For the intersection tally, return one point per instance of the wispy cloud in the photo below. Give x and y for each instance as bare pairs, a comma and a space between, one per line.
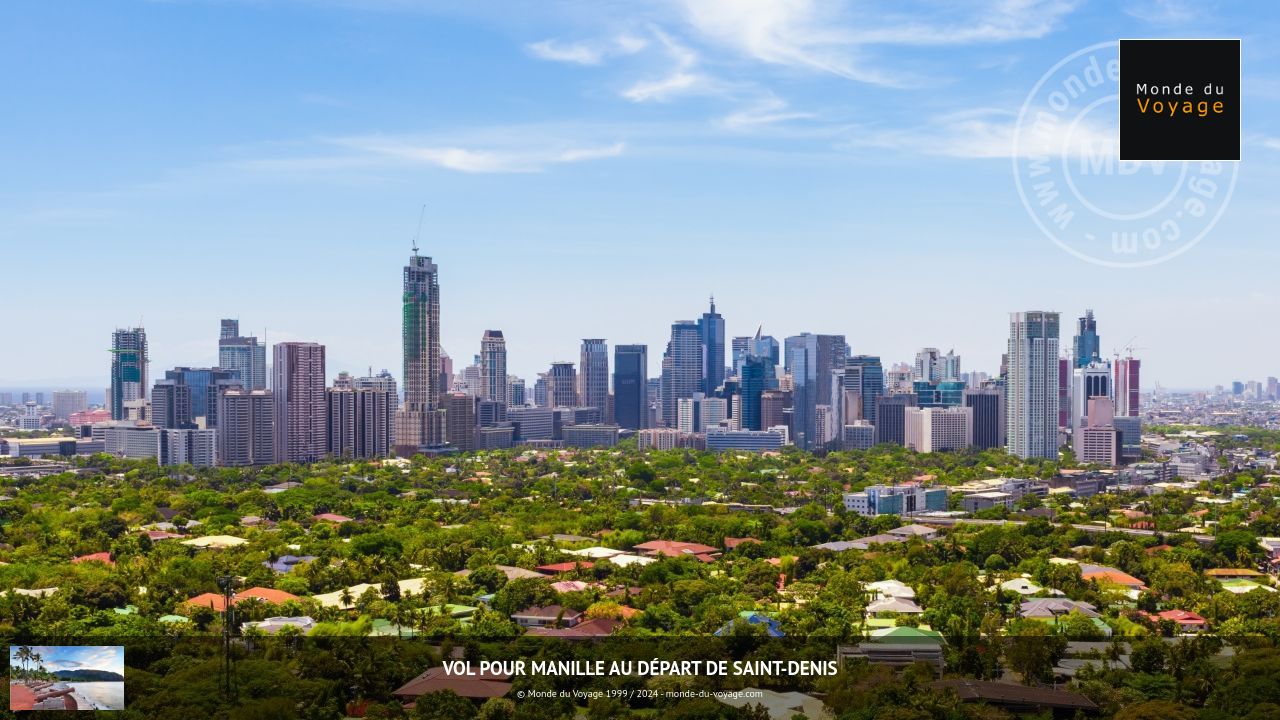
587, 52
681, 79
986, 133
768, 110
1164, 12
478, 160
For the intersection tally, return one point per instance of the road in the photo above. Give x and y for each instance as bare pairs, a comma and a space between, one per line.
949, 522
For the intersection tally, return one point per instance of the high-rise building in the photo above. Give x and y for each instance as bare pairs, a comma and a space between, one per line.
171, 405
988, 406
753, 382
1086, 347
1087, 382
516, 392
869, 377
630, 386
928, 368
340, 418
1065, 367
1032, 386
681, 368
938, 429
949, 366
417, 423
68, 402
1128, 386
891, 418
811, 359
493, 367
128, 369
243, 355
460, 421
593, 375
246, 427
1096, 440
774, 407
298, 379
711, 338
739, 348
202, 382
187, 446
562, 382
361, 415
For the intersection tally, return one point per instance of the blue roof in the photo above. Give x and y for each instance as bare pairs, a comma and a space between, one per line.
285, 563
772, 628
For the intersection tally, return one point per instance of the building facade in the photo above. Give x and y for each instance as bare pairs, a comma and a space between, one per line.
1032, 385
128, 369
298, 388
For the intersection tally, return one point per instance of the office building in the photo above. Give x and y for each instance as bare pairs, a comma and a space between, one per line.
1097, 440
681, 368
753, 381
927, 369
244, 356
1128, 386
131, 440
68, 402
1130, 437
460, 421
202, 382
340, 418
861, 435
865, 375
497, 437
516, 392
720, 439
775, 407
591, 435
810, 360
246, 427
562, 385
171, 405
1032, 385
891, 418
895, 500
1088, 382
711, 338
593, 375
988, 406
128, 369
1065, 368
532, 423
938, 429
298, 389
188, 446
630, 386
493, 368
1087, 346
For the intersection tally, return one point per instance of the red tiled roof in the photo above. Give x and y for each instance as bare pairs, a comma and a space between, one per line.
733, 542
480, 686
564, 567
600, 627
671, 548
1181, 617
331, 517
212, 600
1114, 577
102, 557
270, 595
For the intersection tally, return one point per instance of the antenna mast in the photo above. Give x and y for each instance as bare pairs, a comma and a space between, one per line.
418, 234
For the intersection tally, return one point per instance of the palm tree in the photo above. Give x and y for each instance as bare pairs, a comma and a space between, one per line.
23, 655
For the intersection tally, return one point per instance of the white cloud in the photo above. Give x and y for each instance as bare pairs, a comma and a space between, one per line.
829, 37
682, 79
988, 133
470, 160
767, 111
587, 53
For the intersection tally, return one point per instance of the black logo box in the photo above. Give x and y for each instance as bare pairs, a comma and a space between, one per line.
1186, 68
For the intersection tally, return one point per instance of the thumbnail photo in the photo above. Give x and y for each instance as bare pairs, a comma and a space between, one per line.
72, 677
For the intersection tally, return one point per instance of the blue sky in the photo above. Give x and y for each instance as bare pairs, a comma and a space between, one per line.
589, 170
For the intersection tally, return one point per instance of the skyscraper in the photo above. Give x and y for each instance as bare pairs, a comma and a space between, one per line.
1086, 347
871, 376
244, 356
128, 369
988, 406
171, 405
245, 434
493, 367
1032, 386
300, 409
928, 368
891, 418
711, 338
593, 374
1128, 386
68, 402
1088, 382
460, 421
417, 423
203, 383
562, 382
630, 386
753, 381
681, 368
811, 359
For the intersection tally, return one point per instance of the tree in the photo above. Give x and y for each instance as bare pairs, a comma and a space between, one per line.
443, 705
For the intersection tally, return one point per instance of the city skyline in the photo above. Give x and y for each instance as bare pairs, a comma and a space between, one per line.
656, 157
